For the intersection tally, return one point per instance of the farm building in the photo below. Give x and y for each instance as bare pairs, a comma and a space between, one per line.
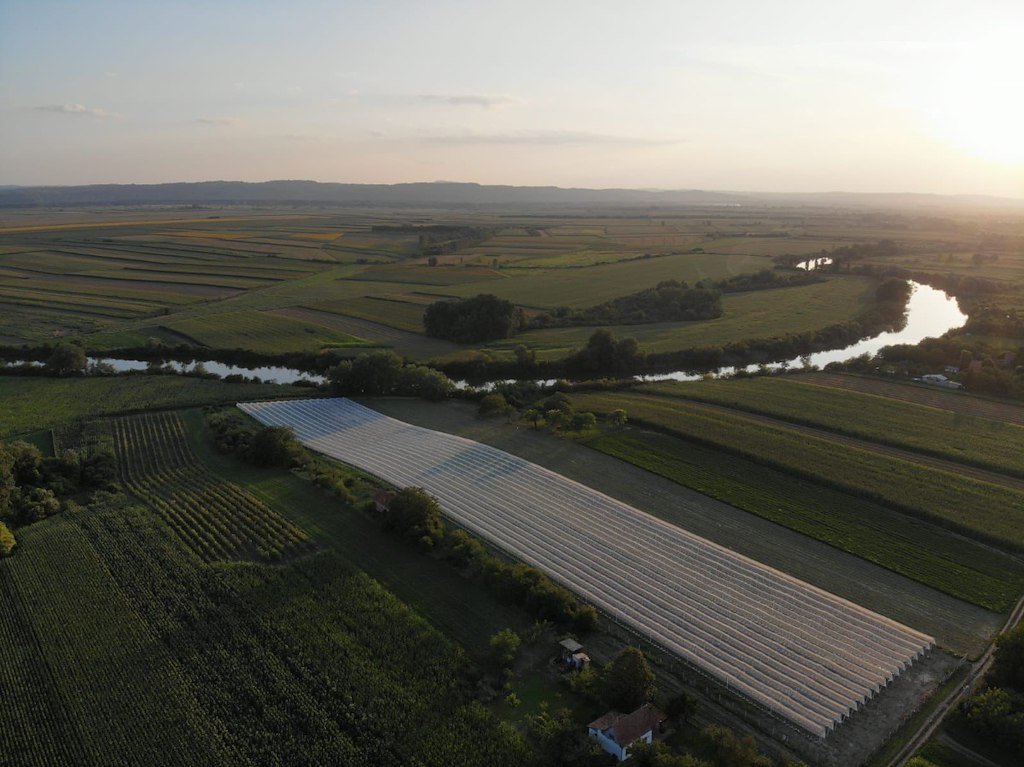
573, 654
802, 653
616, 732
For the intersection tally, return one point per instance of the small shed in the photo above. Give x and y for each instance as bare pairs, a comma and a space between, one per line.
382, 500
616, 732
569, 648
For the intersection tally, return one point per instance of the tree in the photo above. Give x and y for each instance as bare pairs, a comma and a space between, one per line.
524, 355
37, 503
504, 646
274, 446
8, 487
681, 707
7, 542
628, 681
584, 421
482, 318
1008, 661
414, 513
494, 404
555, 418
617, 418
730, 750
372, 373
67, 358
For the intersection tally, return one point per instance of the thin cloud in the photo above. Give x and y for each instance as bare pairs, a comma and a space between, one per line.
218, 122
545, 138
77, 109
465, 100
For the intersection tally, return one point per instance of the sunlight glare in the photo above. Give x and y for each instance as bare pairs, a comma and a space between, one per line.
976, 104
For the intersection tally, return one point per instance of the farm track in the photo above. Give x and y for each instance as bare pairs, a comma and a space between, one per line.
919, 395
981, 667
943, 464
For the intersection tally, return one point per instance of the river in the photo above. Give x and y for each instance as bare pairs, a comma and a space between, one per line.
930, 314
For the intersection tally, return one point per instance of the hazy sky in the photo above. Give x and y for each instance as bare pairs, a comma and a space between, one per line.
770, 95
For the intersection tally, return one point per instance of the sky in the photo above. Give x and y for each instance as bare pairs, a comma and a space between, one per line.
754, 95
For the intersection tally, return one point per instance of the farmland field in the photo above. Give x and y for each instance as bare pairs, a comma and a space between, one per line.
262, 331
956, 624
715, 622
987, 511
217, 520
31, 403
746, 315
215, 281
984, 442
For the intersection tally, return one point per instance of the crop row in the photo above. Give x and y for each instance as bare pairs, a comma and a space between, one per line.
217, 519
986, 511
118, 687
37, 729
306, 664
909, 546
981, 442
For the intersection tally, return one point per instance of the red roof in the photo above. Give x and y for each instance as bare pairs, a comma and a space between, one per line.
626, 728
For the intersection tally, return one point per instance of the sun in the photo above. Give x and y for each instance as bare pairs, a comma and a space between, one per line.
976, 103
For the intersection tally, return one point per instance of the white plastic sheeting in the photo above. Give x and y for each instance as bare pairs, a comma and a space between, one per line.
803, 653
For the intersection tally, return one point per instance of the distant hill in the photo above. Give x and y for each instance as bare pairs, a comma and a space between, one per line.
442, 194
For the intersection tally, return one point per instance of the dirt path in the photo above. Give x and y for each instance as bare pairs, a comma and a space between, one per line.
934, 721
920, 394
956, 625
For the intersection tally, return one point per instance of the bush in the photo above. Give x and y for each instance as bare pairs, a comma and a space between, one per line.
274, 446
7, 541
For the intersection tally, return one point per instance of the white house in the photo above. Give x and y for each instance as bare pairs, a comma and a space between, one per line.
616, 732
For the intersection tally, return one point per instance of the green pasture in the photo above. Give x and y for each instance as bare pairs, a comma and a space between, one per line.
261, 332
393, 313
912, 547
429, 275
989, 512
802, 309
981, 442
585, 287
30, 403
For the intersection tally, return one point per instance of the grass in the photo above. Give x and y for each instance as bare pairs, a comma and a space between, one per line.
981, 442
986, 511
746, 315
262, 332
33, 403
460, 608
577, 288
402, 315
911, 547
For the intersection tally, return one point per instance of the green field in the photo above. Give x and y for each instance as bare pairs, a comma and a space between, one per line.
746, 315
262, 332
987, 511
33, 403
978, 441
909, 546
212, 282
958, 625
